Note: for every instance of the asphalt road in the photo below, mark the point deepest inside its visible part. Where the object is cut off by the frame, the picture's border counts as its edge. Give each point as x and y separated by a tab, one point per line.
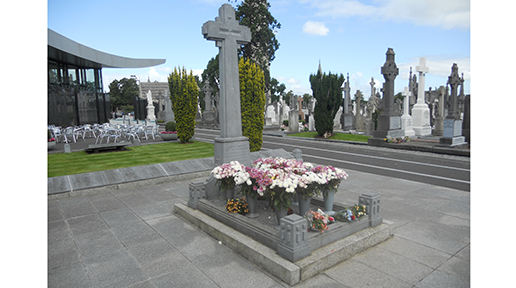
431	168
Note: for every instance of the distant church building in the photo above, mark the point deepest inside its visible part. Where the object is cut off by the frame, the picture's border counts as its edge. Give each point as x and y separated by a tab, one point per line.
75	94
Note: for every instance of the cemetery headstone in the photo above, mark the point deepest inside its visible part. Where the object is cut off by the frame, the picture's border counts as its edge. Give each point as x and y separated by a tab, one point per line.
406	119
228	35
209	116
347	114
452	126
359	117
420	111
439	113
169	112
389	124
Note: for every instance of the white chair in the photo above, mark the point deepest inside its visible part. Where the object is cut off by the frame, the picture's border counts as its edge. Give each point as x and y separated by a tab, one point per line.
150	130
87	128
68	134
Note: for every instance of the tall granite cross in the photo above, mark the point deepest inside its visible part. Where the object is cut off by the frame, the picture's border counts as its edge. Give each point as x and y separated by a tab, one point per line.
389	121
454	81
207	95
228	36
389	71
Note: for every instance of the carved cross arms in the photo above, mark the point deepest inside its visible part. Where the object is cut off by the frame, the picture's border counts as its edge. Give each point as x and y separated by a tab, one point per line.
226	27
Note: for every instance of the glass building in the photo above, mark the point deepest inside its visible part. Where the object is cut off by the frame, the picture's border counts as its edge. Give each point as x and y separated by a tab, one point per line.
75	94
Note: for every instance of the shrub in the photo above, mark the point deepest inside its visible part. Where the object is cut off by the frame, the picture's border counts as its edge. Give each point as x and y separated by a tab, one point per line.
183	93
170	126
285	122
252	102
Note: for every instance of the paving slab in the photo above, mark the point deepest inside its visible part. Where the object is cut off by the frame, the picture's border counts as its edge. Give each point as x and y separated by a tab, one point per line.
128	237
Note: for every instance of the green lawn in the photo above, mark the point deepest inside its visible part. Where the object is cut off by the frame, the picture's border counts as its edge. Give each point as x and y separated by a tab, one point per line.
60	164
335	136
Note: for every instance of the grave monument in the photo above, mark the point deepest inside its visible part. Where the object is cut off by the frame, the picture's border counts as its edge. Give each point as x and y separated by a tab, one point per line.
389	122
420	111
150	107
209	116
406	119
452	126
347	114
228	35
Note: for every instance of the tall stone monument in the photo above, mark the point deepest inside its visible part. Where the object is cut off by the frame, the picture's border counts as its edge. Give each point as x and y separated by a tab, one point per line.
452	130
151	116
347	114
228	36
420	111
439	112
406	119
389	122
209	116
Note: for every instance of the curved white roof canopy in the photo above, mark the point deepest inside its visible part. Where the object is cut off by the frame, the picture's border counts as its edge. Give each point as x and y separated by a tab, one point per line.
68	51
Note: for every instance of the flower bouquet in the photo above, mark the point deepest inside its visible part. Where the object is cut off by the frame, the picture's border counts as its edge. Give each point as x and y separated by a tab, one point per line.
352	213
318	220
225	174
331	177
237	206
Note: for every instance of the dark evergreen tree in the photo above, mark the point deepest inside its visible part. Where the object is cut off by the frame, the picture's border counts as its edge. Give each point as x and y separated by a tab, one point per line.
326	89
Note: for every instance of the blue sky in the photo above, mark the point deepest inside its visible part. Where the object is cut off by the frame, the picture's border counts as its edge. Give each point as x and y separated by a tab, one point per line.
345	36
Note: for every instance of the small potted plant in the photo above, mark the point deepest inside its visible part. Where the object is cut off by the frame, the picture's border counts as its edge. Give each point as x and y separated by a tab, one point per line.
170	132
51	140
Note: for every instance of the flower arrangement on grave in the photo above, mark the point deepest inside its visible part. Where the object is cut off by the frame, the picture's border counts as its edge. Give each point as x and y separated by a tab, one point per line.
225	174
283	127
279	179
305	127
398	140
331	177
250	181
237	206
352	213
318	221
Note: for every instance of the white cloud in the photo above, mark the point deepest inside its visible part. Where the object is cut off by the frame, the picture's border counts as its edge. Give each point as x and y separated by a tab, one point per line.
447	14
316	28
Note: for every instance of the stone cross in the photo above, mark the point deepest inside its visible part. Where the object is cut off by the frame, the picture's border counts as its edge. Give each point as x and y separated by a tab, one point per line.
389	71
207	90
454	81
347	101
422	69
406	94
228	35
372	86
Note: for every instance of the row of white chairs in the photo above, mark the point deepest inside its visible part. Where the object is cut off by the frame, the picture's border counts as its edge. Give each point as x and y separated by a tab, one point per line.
103	131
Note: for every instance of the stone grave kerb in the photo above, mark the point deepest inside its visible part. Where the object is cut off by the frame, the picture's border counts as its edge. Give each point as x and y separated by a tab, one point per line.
228	35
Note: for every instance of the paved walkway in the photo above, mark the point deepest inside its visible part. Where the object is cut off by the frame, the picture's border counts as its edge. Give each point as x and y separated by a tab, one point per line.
131	238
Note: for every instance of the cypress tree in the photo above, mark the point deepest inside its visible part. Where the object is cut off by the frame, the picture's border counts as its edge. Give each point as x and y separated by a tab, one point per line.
252	102
183	94
326	90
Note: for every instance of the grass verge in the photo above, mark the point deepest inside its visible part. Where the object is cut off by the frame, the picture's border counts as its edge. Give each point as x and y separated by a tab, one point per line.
335	136
60	164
